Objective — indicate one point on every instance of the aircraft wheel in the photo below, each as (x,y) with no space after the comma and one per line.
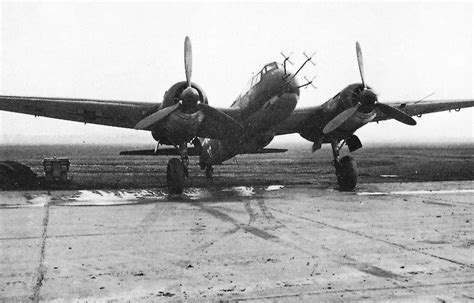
(346,172)
(175,176)
(209,171)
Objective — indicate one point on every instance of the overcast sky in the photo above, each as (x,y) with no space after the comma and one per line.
(134,51)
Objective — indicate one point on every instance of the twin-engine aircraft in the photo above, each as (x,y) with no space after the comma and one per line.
(265,110)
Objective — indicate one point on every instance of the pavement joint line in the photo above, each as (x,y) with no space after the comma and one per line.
(94,234)
(41,268)
(351,291)
(372,238)
(455,203)
(416,192)
(429,199)
(437,198)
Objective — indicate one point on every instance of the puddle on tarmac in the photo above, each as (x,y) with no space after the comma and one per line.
(242,191)
(112,197)
(274,187)
(128,197)
(22,199)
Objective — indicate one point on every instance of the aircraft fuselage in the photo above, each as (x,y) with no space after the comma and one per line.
(271,98)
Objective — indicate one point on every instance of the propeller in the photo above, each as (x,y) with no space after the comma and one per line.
(189,96)
(156,116)
(188,60)
(367,98)
(360,61)
(339,119)
(394,113)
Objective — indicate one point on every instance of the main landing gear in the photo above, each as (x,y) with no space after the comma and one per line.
(175,176)
(208,168)
(209,171)
(177,171)
(346,168)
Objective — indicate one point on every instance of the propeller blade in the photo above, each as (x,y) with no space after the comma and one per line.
(394,113)
(156,116)
(339,119)
(188,59)
(360,60)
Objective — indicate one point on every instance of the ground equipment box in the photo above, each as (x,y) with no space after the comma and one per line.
(56,169)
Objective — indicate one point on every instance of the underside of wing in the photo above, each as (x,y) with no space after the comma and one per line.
(416,108)
(192,151)
(112,113)
(300,120)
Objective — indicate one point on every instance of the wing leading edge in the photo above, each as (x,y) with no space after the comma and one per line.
(104,112)
(310,117)
(415,108)
(218,123)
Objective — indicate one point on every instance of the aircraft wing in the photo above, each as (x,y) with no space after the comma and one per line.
(300,119)
(415,108)
(113,113)
(218,123)
(310,117)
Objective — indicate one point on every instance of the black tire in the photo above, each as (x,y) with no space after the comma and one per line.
(209,172)
(175,176)
(346,173)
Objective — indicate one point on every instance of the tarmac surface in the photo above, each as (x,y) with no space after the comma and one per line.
(386,241)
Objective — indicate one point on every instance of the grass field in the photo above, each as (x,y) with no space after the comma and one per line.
(101,166)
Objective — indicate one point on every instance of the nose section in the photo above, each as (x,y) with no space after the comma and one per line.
(291,85)
(288,93)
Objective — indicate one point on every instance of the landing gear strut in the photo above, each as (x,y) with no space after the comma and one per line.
(177,171)
(346,169)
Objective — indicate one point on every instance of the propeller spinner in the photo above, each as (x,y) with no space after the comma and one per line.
(367,98)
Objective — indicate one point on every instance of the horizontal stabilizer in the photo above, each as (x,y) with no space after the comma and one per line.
(192,151)
(160,152)
(268,151)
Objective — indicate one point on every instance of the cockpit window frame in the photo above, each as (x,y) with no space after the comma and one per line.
(255,79)
(258,76)
(269,67)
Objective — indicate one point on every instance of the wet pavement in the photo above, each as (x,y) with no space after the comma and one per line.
(397,241)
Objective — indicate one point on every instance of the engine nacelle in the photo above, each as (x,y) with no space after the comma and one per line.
(173,95)
(345,99)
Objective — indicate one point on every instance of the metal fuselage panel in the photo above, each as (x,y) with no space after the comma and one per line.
(262,107)
(182,127)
